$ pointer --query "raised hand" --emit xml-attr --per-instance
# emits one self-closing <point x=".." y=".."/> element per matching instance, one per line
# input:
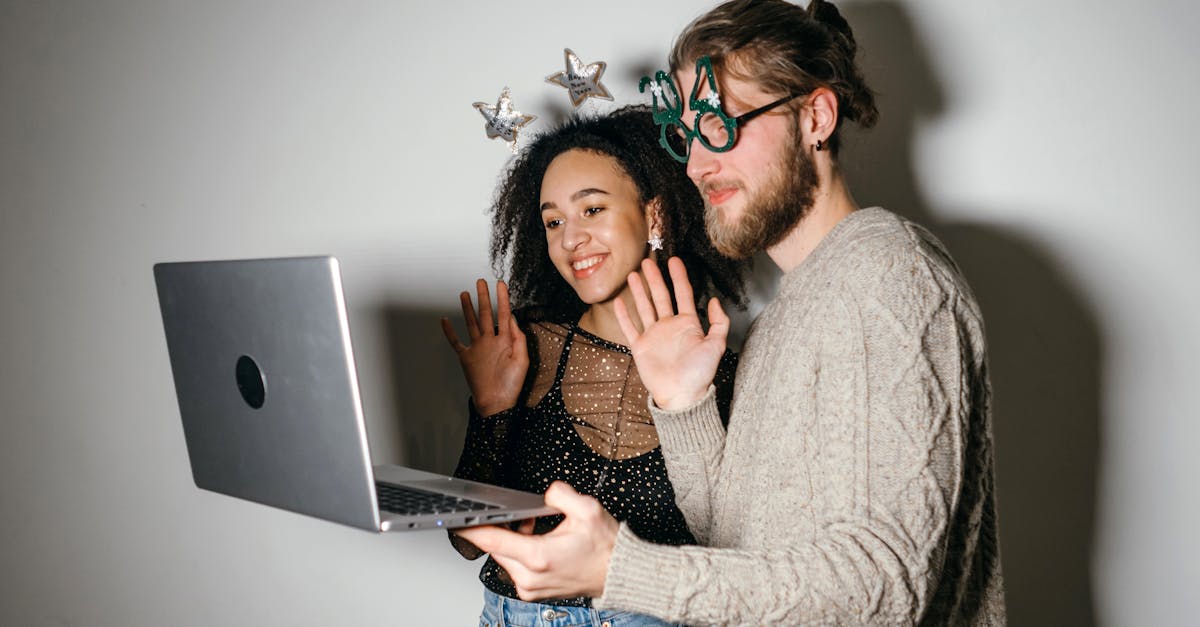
<point x="676" y="359"/>
<point x="497" y="359"/>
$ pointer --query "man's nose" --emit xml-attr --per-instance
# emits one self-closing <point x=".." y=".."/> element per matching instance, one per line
<point x="702" y="162"/>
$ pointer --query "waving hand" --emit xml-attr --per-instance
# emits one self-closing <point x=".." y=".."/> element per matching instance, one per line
<point x="676" y="359"/>
<point x="497" y="359"/>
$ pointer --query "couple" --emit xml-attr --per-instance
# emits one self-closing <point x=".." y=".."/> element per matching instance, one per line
<point x="847" y="476"/>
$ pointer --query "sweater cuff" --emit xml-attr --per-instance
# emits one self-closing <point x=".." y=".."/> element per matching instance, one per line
<point x="635" y="580"/>
<point x="694" y="428"/>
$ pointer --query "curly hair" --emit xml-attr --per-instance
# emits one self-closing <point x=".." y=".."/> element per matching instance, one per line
<point x="628" y="135"/>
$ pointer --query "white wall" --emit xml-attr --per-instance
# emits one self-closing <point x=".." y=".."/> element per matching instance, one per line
<point x="1050" y="144"/>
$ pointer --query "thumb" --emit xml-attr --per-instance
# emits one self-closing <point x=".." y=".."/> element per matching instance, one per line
<point x="718" y="321"/>
<point x="561" y="496"/>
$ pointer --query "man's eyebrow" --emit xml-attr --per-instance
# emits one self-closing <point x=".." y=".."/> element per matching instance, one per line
<point x="587" y="191"/>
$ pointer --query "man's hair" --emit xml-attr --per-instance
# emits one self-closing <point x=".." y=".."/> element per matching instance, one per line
<point x="630" y="136"/>
<point x="784" y="49"/>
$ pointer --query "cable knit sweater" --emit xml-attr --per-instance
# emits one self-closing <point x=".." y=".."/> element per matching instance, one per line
<point x="854" y="485"/>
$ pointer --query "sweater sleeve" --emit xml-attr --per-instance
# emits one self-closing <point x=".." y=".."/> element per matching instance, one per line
<point x="692" y="441"/>
<point x="890" y="399"/>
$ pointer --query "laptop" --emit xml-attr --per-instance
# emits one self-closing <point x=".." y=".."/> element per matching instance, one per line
<point x="268" y="393"/>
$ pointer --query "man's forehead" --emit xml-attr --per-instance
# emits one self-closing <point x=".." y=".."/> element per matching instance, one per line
<point x="732" y="88"/>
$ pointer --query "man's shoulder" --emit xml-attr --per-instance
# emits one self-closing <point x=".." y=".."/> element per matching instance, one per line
<point x="882" y="251"/>
<point x="878" y="234"/>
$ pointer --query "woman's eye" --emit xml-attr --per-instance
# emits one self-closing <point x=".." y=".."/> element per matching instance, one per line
<point x="591" y="211"/>
<point x="553" y="224"/>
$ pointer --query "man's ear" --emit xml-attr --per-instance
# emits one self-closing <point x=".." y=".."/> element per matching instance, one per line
<point x="820" y="116"/>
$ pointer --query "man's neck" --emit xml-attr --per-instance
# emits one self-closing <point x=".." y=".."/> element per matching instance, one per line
<point x="831" y="202"/>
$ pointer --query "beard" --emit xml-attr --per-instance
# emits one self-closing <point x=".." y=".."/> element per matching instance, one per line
<point x="770" y="214"/>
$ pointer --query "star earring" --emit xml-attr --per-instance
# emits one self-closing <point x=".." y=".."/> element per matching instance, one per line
<point x="655" y="241"/>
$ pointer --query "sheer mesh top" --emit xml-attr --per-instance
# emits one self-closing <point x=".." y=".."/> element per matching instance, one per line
<point x="602" y="394"/>
<point x="583" y="419"/>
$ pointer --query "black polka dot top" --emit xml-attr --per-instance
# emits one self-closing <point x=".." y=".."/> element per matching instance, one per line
<point x="583" y="420"/>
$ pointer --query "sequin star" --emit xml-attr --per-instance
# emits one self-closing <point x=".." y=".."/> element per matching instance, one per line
<point x="581" y="80"/>
<point x="503" y="120"/>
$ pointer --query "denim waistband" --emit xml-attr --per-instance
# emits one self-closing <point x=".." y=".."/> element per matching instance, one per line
<point x="501" y="611"/>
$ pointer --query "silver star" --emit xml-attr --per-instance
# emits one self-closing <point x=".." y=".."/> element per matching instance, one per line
<point x="581" y="81"/>
<point x="503" y="120"/>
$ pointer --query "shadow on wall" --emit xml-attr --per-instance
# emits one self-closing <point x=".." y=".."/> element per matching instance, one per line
<point x="430" y="392"/>
<point x="1045" y="352"/>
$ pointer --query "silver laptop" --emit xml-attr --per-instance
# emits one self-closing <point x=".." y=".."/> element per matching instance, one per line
<point x="264" y="372"/>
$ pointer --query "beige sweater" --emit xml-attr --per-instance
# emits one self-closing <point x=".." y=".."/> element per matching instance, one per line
<point x="855" y="483"/>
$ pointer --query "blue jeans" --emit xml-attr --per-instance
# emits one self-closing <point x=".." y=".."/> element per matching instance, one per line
<point x="499" y="611"/>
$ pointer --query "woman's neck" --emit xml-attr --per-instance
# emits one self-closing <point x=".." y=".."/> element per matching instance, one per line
<point x="601" y="319"/>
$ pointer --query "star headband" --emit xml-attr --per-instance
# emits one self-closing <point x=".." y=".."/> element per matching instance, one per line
<point x="581" y="80"/>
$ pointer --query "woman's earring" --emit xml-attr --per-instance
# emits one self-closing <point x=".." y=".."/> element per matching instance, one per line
<point x="818" y="145"/>
<point x="655" y="241"/>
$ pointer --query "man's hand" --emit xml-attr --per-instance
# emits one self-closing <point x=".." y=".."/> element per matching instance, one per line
<point x="496" y="361"/>
<point x="570" y="561"/>
<point x="676" y="359"/>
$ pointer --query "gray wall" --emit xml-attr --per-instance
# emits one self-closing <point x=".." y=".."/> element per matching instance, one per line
<point x="1051" y="145"/>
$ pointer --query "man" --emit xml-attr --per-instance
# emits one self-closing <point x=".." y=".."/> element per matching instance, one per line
<point x="854" y="484"/>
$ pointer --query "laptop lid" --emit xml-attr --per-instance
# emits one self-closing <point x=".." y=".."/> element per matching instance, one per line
<point x="264" y="375"/>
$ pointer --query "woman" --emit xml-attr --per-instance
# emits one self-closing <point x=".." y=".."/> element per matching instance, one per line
<point x="555" y="393"/>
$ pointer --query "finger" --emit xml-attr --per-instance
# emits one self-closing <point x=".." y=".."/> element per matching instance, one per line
<point x="500" y="542"/>
<point x="468" y="309"/>
<point x="641" y="300"/>
<point x="626" y="323"/>
<point x="451" y="336"/>
<point x="718" y="321"/>
<point x="486" y="323"/>
<point x="526" y="526"/>
<point x="503" y="309"/>
<point x="683" y="287"/>
<point x="519" y="347"/>
<point x="658" y="289"/>
<point x="524" y="579"/>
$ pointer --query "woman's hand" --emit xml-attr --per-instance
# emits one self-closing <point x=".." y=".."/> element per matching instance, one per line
<point x="496" y="361"/>
<point x="676" y="359"/>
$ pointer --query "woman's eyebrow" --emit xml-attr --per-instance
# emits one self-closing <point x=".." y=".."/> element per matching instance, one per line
<point x="587" y="191"/>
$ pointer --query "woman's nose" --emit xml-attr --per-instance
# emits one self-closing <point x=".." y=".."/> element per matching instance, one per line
<point x="574" y="235"/>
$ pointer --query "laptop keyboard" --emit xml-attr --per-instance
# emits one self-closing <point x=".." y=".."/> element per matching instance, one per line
<point x="406" y="500"/>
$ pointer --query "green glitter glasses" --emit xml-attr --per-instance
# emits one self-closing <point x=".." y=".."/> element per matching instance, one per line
<point x="715" y="130"/>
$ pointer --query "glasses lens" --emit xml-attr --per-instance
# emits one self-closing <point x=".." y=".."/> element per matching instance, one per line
<point x="715" y="132"/>
<point x="673" y="139"/>
<point x="670" y="95"/>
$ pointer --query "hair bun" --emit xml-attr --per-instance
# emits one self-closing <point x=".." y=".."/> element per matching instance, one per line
<point x="829" y="16"/>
